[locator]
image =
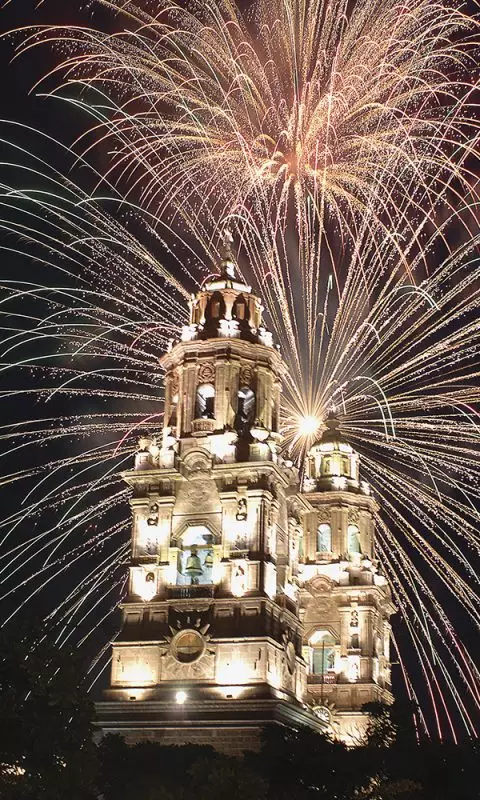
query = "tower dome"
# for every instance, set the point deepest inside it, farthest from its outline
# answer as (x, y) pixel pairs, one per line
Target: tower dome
(332, 463)
(225, 306)
(223, 376)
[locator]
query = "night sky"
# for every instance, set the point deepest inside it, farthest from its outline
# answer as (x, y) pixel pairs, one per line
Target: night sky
(54, 117)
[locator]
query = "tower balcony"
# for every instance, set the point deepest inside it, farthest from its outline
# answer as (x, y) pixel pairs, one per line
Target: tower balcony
(327, 678)
(286, 602)
(336, 483)
(188, 592)
(203, 426)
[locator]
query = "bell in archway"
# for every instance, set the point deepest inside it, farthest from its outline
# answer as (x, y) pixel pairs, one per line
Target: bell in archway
(193, 566)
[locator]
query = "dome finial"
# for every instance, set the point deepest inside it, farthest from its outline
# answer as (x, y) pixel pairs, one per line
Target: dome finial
(227, 258)
(332, 422)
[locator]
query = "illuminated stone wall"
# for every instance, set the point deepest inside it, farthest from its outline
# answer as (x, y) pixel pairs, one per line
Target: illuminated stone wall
(245, 586)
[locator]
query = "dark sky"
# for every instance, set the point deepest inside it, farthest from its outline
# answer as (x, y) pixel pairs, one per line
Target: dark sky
(18, 76)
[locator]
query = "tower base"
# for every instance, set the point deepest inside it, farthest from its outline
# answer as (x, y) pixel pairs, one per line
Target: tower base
(230, 726)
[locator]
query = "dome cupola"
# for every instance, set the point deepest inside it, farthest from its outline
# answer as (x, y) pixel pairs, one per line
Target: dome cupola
(332, 463)
(223, 377)
(225, 306)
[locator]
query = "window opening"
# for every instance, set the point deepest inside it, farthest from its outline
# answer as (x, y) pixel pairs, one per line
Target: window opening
(205, 403)
(324, 538)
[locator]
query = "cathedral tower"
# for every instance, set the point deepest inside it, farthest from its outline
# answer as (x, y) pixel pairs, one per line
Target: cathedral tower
(252, 599)
(344, 602)
(211, 644)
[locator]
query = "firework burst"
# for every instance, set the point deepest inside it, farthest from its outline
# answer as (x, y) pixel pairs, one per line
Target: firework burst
(303, 123)
(337, 143)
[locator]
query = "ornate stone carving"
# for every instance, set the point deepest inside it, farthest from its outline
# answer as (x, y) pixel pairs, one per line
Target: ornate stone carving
(353, 516)
(326, 712)
(289, 650)
(206, 373)
(246, 375)
(188, 654)
(173, 670)
(152, 518)
(198, 461)
(197, 493)
(324, 515)
(174, 384)
(321, 584)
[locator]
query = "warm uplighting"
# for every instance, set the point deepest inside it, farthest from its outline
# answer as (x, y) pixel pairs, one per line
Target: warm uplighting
(180, 698)
(232, 673)
(146, 586)
(136, 674)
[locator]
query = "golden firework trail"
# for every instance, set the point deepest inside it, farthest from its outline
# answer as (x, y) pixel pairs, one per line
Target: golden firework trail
(339, 144)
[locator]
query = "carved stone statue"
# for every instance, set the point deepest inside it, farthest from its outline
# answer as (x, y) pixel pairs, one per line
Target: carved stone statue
(152, 518)
(242, 513)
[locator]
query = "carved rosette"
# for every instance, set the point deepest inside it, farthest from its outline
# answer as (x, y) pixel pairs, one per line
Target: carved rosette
(206, 373)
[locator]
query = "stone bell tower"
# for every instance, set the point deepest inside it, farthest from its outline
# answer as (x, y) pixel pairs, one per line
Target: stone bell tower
(211, 644)
(345, 603)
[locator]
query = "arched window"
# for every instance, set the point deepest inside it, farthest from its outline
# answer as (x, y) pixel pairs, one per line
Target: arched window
(326, 465)
(216, 307)
(323, 652)
(353, 539)
(195, 558)
(245, 409)
(345, 467)
(205, 402)
(240, 308)
(324, 538)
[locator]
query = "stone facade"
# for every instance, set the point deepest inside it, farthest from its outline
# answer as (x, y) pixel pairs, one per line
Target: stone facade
(253, 598)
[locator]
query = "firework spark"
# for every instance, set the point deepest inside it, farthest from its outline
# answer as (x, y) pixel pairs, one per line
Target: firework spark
(338, 144)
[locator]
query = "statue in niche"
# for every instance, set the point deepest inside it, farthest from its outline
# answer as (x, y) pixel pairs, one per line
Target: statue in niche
(152, 518)
(151, 547)
(331, 659)
(354, 619)
(242, 512)
(241, 542)
(239, 581)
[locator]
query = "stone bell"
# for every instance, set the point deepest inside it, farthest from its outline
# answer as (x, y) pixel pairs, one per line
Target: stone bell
(194, 565)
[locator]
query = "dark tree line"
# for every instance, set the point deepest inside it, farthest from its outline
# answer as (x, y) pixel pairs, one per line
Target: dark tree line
(47, 751)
